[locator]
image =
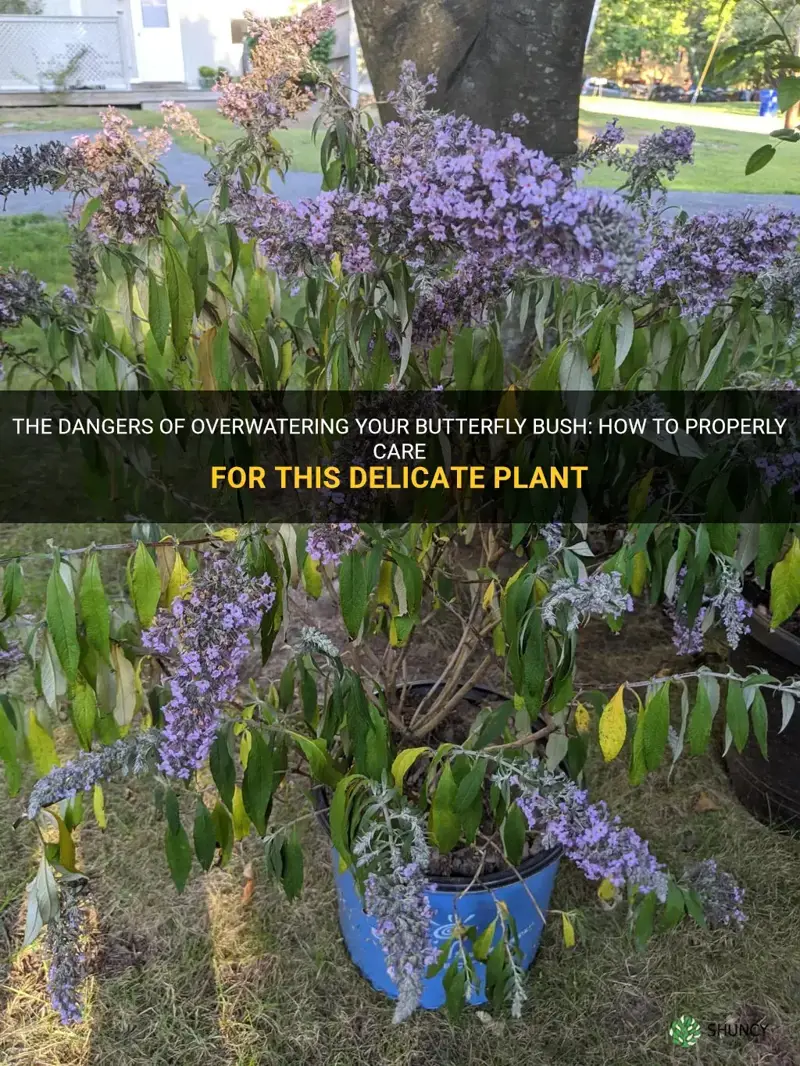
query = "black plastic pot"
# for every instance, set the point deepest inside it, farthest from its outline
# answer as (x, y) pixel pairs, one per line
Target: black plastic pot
(769, 788)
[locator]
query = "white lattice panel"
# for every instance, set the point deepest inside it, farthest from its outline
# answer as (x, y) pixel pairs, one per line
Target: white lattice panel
(41, 52)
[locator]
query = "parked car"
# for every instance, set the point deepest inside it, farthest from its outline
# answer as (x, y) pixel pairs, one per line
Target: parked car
(603, 87)
(671, 93)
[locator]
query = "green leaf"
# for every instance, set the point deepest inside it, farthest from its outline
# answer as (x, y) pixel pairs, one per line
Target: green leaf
(205, 835)
(181, 299)
(8, 753)
(12, 588)
(241, 823)
(176, 843)
(760, 158)
(286, 686)
(700, 721)
(758, 719)
(144, 583)
(674, 908)
(221, 357)
(94, 608)
(84, 711)
(788, 92)
(223, 830)
(513, 832)
(258, 301)
(223, 769)
(455, 986)
(655, 727)
(411, 576)
(158, 313)
(258, 783)
(338, 818)
(198, 269)
(736, 715)
(319, 761)
(644, 922)
(445, 824)
(785, 584)
(694, 908)
(292, 866)
(470, 786)
(60, 614)
(483, 944)
(353, 592)
(89, 211)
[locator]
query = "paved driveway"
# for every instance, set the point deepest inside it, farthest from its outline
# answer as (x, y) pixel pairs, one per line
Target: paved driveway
(185, 168)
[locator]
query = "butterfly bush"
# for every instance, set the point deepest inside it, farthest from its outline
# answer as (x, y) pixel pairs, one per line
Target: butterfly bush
(472, 206)
(132, 756)
(328, 543)
(65, 950)
(720, 897)
(271, 92)
(596, 841)
(208, 632)
(698, 261)
(729, 603)
(598, 595)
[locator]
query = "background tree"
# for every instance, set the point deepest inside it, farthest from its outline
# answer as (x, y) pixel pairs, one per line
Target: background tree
(21, 7)
(492, 58)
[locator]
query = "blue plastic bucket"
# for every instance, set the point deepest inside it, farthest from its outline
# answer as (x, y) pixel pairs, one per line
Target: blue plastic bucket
(476, 907)
(768, 102)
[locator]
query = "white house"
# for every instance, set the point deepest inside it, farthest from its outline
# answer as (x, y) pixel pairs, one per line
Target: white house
(121, 46)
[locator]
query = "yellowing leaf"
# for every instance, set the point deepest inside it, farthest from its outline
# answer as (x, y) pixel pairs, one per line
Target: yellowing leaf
(42, 748)
(507, 408)
(403, 763)
(229, 534)
(66, 846)
(540, 590)
(336, 266)
(785, 586)
(241, 822)
(583, 719)
(488, 596)
(613, 726)
(606, 891)
(639, 573)
(312, 578)
(384, 595)
(568, 929)
(180, 581)
(99, 806)
(125, 702)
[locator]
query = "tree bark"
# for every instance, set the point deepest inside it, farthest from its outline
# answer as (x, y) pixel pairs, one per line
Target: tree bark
(492, 58)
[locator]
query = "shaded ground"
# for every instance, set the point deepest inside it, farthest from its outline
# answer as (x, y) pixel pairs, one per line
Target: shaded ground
(220, 977)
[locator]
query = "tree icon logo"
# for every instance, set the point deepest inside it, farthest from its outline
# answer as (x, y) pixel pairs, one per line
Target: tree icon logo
(685, 1031)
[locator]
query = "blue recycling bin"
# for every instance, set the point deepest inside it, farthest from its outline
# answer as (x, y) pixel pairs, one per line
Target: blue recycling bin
(768, 102)
(449, 902)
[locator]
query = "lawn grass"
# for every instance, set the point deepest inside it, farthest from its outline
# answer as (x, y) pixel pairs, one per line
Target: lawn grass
(215, 978)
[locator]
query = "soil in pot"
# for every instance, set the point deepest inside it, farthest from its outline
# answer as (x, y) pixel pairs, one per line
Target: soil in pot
(770, 788)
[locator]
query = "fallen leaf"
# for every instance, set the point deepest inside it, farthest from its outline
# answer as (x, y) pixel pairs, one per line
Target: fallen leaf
(249, 883)
(706, 803)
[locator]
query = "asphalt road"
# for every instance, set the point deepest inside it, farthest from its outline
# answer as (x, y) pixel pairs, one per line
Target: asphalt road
(185, 168)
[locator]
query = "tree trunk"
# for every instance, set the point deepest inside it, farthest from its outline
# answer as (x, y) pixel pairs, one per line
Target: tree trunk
(492, 58)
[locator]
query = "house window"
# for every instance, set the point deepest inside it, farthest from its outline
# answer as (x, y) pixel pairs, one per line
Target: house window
(155, 14)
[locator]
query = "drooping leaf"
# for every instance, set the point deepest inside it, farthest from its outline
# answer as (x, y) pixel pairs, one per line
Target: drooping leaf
(758, 719)
(176, 843)
(656, 727)
(158, 314)
(197, 265)
(205, 837)
(613, 726)
(126, 694)
(759, 158)
(144, 582)
(8, 753)
(42, 749)
(99, 806)
(470, 786)
(353, 592)
(785, 583)
(737, 717)
(223, 770)
(241, 823)
(700, 720)
(445, 824)
(258, 783)
(84, 711)
(62, 624)
(181, 299)
(94, 608)
(513, 832)
(567, 931)
(12, 588)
